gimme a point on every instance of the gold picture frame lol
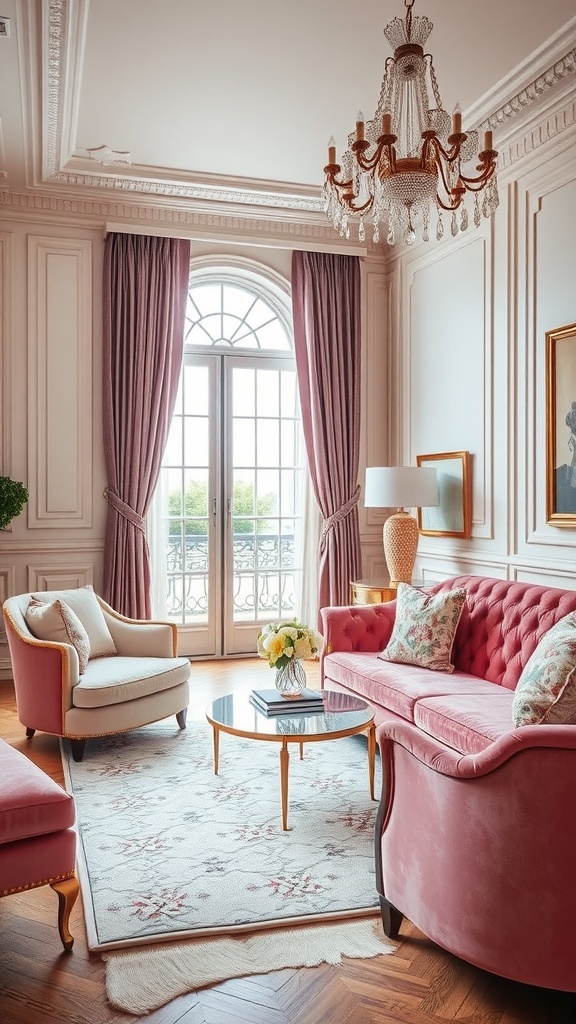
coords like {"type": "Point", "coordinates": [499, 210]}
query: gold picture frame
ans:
{"type": "Point", "coordinates": [452, 517]}
{"type": "Point", "coordinates": [561, 426]}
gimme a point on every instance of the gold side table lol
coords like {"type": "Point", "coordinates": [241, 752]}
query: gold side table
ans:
{"type": "Point", "coordinates": [375, 591]}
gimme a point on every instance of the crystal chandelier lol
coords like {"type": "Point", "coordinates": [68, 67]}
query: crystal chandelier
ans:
{"type": "Point", "coordinates": [406, 165]}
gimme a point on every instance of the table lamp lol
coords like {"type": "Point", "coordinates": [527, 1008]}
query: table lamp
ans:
{"type": "Point", "coordinates": [400, 487]}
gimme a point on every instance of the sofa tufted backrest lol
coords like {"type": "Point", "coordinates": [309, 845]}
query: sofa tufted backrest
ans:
{"type": "Point", "coordinates": [501, 624]}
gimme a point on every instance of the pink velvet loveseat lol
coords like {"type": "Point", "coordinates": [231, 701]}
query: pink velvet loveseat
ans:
{"type": "Point", "coordinates": [476, 833]}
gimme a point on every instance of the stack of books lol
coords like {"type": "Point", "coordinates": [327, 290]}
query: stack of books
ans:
{"type": "Point", "coordinates": [270, 702]}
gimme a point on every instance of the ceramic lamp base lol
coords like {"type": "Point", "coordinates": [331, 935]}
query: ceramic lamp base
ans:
{"type": "Point", "coordinates": [400, 537]}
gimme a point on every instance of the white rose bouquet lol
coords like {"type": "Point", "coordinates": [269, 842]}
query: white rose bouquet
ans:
{"type": "Point", "coordinates": [281, 642]}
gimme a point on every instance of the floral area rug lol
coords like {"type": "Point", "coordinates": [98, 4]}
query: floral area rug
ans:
{"type": "Point", "coordinates": [168, 850]}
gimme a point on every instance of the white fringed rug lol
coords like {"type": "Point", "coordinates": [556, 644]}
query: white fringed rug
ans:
{"type": "Point", "coordinates": [141, 980]}
{"type": "Point", "coordinates": [168, 852]}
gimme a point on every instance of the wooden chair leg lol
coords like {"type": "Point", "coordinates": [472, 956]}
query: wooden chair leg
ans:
{"type": "Point", "coordinates": [30, 733]}
{"type": "Point", "coordinates": [77, 749]}
{"type": "Point", "coordinates": [67, 892]}
{"type": "Point", "coordinates": [391, 918]}
{"type": "Point", "coordinates": [181, 718]}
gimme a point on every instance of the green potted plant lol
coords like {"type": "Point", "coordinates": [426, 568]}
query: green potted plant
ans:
{"type": "Point", "coordinates": [13, 497]}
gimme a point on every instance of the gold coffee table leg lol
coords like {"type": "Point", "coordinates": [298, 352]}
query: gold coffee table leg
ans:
{"type": "Point", "coordinates": [371, 757]}
{"type": "Point", "coordinates": [216, 734]}
{"type": "Point", "coordinates": [284, 762]}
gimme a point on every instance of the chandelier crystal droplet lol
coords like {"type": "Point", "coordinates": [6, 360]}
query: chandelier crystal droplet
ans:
{"type": "Point", "coordinates": [406, 165]}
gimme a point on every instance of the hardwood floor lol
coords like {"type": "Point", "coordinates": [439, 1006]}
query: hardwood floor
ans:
{"type": "Point", "coordinates": [419, 984]}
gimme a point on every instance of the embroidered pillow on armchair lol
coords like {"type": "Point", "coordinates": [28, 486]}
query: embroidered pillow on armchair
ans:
{"type": "Point", "coordinates": [424, 628]}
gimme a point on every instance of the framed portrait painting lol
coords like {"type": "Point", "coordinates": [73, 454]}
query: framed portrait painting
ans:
{"type": "Point", "coordinates": [452, 517]}
{"type": "Point", "coordinates": [561, 426]}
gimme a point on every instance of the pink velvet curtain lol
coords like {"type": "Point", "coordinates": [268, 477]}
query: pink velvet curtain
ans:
{"type": "Point", "coordinates": [326, 305]}
{"type": "Point", "coordinates": [145, 289]}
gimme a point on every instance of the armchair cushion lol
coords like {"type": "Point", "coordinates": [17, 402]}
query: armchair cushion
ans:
{"type": "Point", "coordinates": [116, 680]}
{"type": "Point", "coordinates": [84, 603]}
{"type": "Point", "coordinates": [425, 628]}
{"type": "Point", "coordinates": [546, 690]}
{"type": "Point", "coordinates": [55, 621]}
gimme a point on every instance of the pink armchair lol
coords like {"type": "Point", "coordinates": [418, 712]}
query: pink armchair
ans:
{"type": "Point", "coordinates": [140, 679]}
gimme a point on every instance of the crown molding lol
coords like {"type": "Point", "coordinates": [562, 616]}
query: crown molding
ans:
{"type": "Point", "coordinates": [528, 81]}
{"type": "Point", "coordinates": [553, 131]}
{"type": "Point", "coordinates": [241, 226]}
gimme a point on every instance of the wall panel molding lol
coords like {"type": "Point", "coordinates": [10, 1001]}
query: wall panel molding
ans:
{"type": "Point", "coordinates": [545, 577]}
{"type": "Point", "coordinates": [546, 231]}
{"type": "Point", "coordinates": [375, 375]}
{"type": "Point", "coordinates": [417, 319]}
{"type": "Point", "coordinates": [60, 382]}
{"type": "Point", "coordinates": [6, 352]}
{"type": "Point", "coordinates": [64, 576]}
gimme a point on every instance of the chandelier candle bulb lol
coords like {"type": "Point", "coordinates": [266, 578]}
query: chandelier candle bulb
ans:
{"type": "Point", "coordinates": [487, 140]}
{"type": "Point", "coordinates": [360, 126]}
{"type": "Point", "coordinates": [387, 123]}
{"type": "Point", "coordinates": [457, 120]}
{"type": "Point", "coordinates": [331, 150]}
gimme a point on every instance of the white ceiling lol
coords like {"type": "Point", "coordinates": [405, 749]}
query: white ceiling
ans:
{"type": "Point", "coordinates": [242, 94]}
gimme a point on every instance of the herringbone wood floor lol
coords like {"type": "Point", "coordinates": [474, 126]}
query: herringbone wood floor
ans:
{"type": "Point", "coordinates": [419, 984]}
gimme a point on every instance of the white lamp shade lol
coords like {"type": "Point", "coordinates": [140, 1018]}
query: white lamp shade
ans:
{"type": "Point", "coordinates": [400, 487]}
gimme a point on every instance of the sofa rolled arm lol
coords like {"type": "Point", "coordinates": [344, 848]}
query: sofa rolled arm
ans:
{"type": "Point", "coordinates": [446, 761]}
{"type": "Point", "coordinates": [359, 627]}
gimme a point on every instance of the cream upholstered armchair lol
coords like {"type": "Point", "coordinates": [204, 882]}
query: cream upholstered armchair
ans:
{"type": "Point", "coordinates": [82, 670]}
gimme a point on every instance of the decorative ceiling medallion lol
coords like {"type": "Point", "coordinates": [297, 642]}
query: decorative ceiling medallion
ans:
{"type": "Point", "coordinates": [105, 155]}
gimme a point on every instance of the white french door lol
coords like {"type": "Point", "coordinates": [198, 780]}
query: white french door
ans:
{"type": "Point", "coordinates": [230, 491]}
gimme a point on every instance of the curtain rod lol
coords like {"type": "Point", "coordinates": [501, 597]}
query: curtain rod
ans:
{"type": "Point", "coordinates": [168, 231]}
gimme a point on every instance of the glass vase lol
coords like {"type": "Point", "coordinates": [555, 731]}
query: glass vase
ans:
{"type": "Point", "coordinates": [291, 678]}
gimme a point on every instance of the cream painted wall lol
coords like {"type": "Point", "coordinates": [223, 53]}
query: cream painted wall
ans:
{"type": "Point", "coordinates": [470, 358]}
{"type": "Point", "coordinates": [452, 358]}
{"type": "Point", "coordinates": [51, 395]}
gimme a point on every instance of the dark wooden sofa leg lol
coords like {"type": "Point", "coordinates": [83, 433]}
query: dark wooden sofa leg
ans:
{"type": "Point", "coordinates": [77, 747]}
{"type": "Point", "coordinates": [391, 918]}
{"type": "Point", "coordinates": [181, 718]}
{"type": "Point", "coordinates": [30, 733]}
{"type": "Point", "coordinates": [67, 891]}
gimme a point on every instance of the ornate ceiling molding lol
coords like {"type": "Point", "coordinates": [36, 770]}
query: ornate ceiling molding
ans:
{"type": "Point", "coordinates": [182, 187]}
{"type": "Point", "coordinates": [183, 190]}
{"type": "Point", "coordinates": [532, 93]}
{"type": "Point", "coordinates": [217, 221]}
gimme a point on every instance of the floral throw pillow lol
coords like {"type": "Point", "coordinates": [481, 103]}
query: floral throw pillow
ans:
{"type": "Point", "coordinates": [55, 621]}
{"type": "Point", "coordinates": [546, 691]}
{"type": "Point", "coordinates": [424, 628]}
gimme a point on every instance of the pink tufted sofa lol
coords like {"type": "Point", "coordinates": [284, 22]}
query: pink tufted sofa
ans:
{"type": "Point", "coordinates": [476, 834]}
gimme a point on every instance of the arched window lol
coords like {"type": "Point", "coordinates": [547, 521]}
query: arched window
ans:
{"type": "Point", "coordinates": [230, 486]}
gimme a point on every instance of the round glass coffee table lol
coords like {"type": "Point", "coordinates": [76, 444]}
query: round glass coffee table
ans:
{"type": "Point", "coordinates": [343, 715]}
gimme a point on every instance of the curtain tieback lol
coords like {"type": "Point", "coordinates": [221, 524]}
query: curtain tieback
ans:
{"type": "Point", "coordinates": [340, 514]}
{"type": "Point", "coordinates": [124, 510]}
